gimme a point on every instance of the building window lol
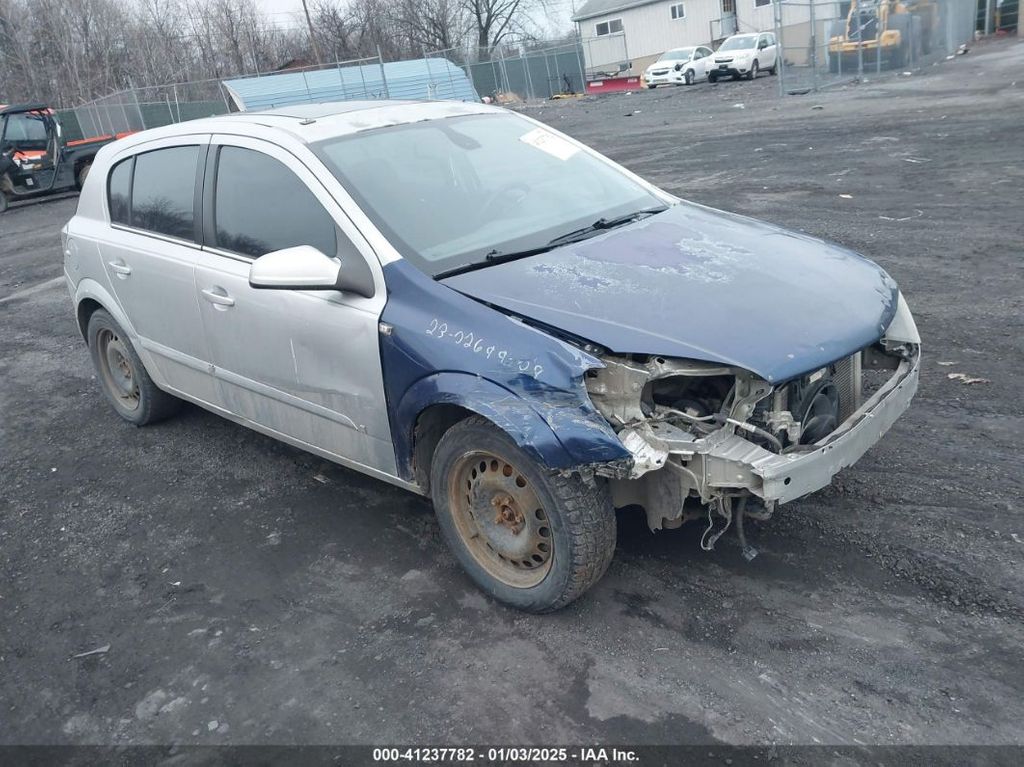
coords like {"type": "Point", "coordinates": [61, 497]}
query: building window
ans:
{"type": "Point", "coordinates": [679, 11]}
{"type": "Point", "coordinates": [728, 6]}
{"type": "Point", "coordinates": [609, 27]}
{"type": "Point", "coordinates": [762, 3]}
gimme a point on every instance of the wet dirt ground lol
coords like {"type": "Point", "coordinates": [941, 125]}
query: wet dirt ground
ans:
{"type": "Point", "coordinates": [251, 593]}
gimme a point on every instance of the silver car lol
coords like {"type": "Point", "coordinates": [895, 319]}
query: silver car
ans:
{"type": "Point", "coordinates": [472, 306]}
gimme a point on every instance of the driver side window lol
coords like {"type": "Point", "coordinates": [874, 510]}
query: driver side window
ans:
{"type": "Point", "coordinates": [261, 206]}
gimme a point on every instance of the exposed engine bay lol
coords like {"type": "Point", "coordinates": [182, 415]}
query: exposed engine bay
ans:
{"type": "Point", "coordinates": [719, 443]}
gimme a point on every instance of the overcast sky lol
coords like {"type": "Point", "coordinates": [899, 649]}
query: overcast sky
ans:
{"type": "Point", "coordinates": [289, 13]}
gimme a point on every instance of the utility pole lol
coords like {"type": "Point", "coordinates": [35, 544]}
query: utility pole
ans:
{"type": "Point", "coordinates": [312, 37]}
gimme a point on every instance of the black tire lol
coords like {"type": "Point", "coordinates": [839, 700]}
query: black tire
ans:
{"type": "Point", "coordinates": [82, 174]}
{"type": "Point", "coordinates": [688, 76]}
{"type": "Point", "coordinates": [652, 87]}
{"type": "Point", "coordinates": [129, 389]}
{"type": "Point", "coordinates": [575, 515]}
{"type": "Point", "coordinates": [774, 69]}
{"type": "Point", "coordinates": [3, 201]}
{"type": "Point", "coordinates": [712, 78]}
{"type": "Point", "coordinates": [754, 69]}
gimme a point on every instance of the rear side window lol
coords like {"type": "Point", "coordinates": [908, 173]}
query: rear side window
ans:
{"type": "Point", "coordinates": [261, 206]}
{"type": "Point", "coordinates": [119, 192]}
{"type": "Point", "coordinates": [163, 192]}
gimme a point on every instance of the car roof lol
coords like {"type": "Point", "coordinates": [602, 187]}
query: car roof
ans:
{"type": "Point", "coordinates": [313, 122]}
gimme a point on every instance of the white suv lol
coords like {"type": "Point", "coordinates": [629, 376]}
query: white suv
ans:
{"type": "Point", "coordinates": [745, 56]}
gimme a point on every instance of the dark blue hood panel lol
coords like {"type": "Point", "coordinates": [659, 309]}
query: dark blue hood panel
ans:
{"type": "Point", "coordinates": [701, 284]}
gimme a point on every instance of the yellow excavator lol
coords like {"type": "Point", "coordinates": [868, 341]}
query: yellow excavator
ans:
{"type": "Point", "coordinates": [895, 31]}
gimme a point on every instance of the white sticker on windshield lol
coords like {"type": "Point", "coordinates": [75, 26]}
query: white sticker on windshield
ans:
{"type": "Point", "coordinates": [550, 143]}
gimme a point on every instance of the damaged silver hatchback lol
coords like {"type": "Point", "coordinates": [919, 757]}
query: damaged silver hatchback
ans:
{"type": "Point", "coordinates": [470, 305]}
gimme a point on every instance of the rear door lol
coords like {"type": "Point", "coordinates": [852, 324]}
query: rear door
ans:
{"type": "Point", "coordinates": [303, 364]}
{"type": "Point", "coordinates": [149, 254]}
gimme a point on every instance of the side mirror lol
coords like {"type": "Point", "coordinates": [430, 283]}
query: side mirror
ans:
{"type": "Point", "coordinates": [762, 45]}
{"type": "Point", "coordinates": [299, 268]}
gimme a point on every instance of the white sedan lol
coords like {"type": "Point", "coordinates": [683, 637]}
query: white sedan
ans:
{"type": "Point", "coordinates": [680, 66]}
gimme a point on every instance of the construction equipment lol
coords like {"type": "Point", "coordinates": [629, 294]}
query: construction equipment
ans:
{"type": "Point", "coordinates": [884, 33]}
{"type": "Point", "coordinates": [35, 160]}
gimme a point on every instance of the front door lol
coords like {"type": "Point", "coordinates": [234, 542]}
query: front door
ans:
{"type": "Point", "coordinates": [303, 364]}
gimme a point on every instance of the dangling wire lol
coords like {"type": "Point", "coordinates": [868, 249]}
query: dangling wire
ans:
{"type": "Point", "coordinates": [708, 541]}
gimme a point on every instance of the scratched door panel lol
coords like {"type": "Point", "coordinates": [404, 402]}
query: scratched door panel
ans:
{"type": "Point", "coordinates": [302, 363]}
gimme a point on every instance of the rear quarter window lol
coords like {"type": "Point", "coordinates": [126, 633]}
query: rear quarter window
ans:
{"type": "Point", "coordinates": [119, 189]}
{"type": "Point", "coordinates": [163, 191]}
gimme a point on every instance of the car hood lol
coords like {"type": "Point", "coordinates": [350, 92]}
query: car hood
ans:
{"type": "Point", "coordinates": [701, 284]}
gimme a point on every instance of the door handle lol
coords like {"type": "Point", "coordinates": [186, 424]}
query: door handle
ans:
{"type": "Point", "coordinates": [120, 268]}
{"type": "Point", "coordinates": [218, 296]}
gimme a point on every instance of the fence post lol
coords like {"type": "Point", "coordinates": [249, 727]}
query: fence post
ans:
{"type": "Point", "coordinates": [431, 90]}
{"type": "Point", "coordinates": [341, 77]}
{"type": "Point", "coordinates": [383, 75]}
{"type": "Point", "coordinates": [814, 50]}
{"type": "Point", "coordinates": [780, 51]}
{"type": "Point", "coordinates": [223, 92]}
{"type": "Point", "coordinates": [860, 44]}
{"type": "Point", "coordinates": [362, 76]}
{"type": "Point", "coordinates": [580, 56]}
{"type": "Point", "coordinates": [529, 78]}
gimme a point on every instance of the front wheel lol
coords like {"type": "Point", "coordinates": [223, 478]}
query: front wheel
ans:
{"type": "Point", "coordinates": [3, 201]}
{"type": "Point", "coordinates": [688, 77]}
{"type": "Point", "coordinates": [530, 537]}
{"type": "Point", "coordinates": [752, 74]}
{"type": "Point", "coordinates": [712, 78]}
{"type": "Point", "coordinates": [651, 87]}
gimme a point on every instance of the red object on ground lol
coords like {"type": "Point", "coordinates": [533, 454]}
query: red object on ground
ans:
{"type": "Point", "coordinates": [612, 84]}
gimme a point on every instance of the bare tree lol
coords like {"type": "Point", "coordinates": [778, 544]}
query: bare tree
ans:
{"type": "Point", "coordinates": [496, 20]}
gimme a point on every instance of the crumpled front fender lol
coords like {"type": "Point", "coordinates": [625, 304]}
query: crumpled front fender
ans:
{"type": "Point", "coordinates": [555, 435]}
{"type": "Point", "coordinates": [441, 347]}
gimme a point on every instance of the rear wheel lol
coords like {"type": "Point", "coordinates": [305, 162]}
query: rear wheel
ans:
{"type": "Point", "coordinates": [531, 538]}
{"type": "Point", "coordinates": [125, 382]}
{"type": "Point", "coordinates": [82, 174]}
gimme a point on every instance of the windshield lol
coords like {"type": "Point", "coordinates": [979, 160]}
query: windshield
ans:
{"type": "Point", "coordinates": [679, 54]}
{"type": "Point", "coordinates": [449, 192]}
{"type": "Point", "coordinates": [739, 43]}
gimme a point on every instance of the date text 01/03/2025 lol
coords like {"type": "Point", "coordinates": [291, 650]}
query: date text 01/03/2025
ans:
{"type": "Point", "coordinates": [504, 754]}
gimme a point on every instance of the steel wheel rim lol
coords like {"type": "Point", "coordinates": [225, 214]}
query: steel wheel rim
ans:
{"type": "Point", "coordinates": [500, 519]}
{"type": "Point", "coordinates": [117, 369]}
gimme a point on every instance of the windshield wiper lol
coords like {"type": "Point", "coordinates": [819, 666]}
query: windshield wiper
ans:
{"type": "Point", "coordinates": [604, 223]}
{"type": "Point", "coordinates": [494, 256]}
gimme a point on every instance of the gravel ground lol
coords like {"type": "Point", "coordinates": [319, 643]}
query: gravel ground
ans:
{"type": "Point", "coordinates": [251, 593]}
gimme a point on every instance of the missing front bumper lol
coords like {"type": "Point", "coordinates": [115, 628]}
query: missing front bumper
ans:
{"type": "Point", "coordinates": [730, 461]}
{"type": "Point", "coordinates": [725, 463]}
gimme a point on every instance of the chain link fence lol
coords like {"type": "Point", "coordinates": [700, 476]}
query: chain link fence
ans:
{"type": "Point", "coordinates": [820, 43]}
{"type": "Point", "coordinates": [523, 72]}
{"type": "Point", "coordinates": [827, 43]}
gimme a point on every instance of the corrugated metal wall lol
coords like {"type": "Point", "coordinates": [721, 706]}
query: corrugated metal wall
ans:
{"type": "Point", "coordinates": [428, 78]}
